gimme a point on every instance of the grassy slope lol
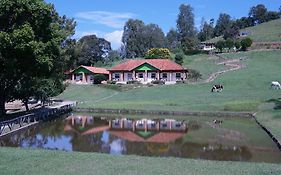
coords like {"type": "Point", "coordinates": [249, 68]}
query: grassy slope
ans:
{"type": "Point", "coordinates": [266, 32]}
{"type": "Point", "coordinates": [57, 162]}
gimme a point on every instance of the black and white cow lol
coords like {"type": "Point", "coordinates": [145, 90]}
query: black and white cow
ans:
{"type": "Point", "coordinates": [217, 88]}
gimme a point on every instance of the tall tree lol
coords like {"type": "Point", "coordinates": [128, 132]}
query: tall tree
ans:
{"type": "Point", "coordinates": [153, 36]}
{"type": "Point", "coordinates": [138, 38]}
{"type": "Point", "coordinates": [172, 41]}
{"type": "Point", "coordinates": [185, 27]}
{"type": "Point", "coordinates": [32, 41]}
{"type": "Point", "coordinates": [258, 13]}
{"type": "Point", "coordinates": [90, 50]}
{"type": "Point", "coordinates": [132, 36]}
{"type": "Point", "coordinates": [206, 30]}
{"type": "Point", "coordinates": [223, 23]}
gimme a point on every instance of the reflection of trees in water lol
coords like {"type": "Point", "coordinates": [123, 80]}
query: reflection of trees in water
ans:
{"type": "Point", "coordinates": [37, 135]}
{"type": "Point", "coordinates": [216, 152]}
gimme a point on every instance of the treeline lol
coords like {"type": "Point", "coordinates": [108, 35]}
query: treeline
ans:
{"type": "Point", "coordinates": [229, 27]}
{"type": "Point", "coordinates": [139, 37]}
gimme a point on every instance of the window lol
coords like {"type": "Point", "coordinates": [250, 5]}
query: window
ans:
{"type": "Point", "coordinates": [91, 78]}
{"type": "Point", "coordinates": [78, 77]}
{"type": "Point", "coordinates": [117, 76]}
{"type": "Point", "coordinates": [178, 75]}
{"type": "Point", "coordinates": [153, 75]}
{"type": "Point", "coordinates": [164, 75]}
{"type": "Point", "coordinates": [140, 75]}
{"type": "Point", "coordinates": [130, 76]}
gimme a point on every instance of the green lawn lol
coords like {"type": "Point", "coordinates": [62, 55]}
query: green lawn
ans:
{"type": "Point", "coordinates": [22, 161]}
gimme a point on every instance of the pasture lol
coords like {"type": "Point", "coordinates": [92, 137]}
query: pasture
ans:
{"type": "Point", "coordinates": [247, 89]}
{"type": "Point", "coordinates": [58, 162]}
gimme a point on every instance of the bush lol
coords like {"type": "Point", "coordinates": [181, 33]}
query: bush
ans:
{"type": "Point", "coordinates": [98, 78]}
{"type": "Point", "coordinates": [179, 58]}
{"type": "Point", "coordinates": [194, 74]}
{"type": "Point", "coordinates": [246, 43]}
{"type": "Point", "coordinates": [133, 82]}
{"type": "Point", "coordinates": [160, 82]}
{"type": "Point", "coordinates": [111, 82]}
{"type": "Point", "coordinates": [161, 53]}
{"type": "Point", "coordinates": [220, 45]}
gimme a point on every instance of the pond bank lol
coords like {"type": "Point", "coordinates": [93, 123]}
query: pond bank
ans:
{"type": "Point", "coordinates": [158, 112]}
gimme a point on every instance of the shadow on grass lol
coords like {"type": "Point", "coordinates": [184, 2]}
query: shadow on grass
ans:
{"type": "Point", "coordinates": [277, 103]}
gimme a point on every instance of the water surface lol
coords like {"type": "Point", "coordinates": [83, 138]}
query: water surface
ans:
{"type": "Point", "coordinates": [187, 137]}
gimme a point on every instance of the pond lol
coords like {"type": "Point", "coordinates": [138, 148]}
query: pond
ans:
{"type": "Point", "coordinates": [234, 139]}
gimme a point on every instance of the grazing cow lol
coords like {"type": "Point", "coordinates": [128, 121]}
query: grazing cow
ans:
{"type": "Point", "coordinates": [275, 84]}
{"type": "Point", "coordinates": [217, 88]}
{"type": "Point", "coordinates": [217, 121]}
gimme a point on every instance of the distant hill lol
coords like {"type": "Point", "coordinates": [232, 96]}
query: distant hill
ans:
{"type": "Point", "coordinates": [265, 32]}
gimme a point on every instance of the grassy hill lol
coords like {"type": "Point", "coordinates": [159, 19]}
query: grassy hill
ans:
{"type": "Point", "coordinates": [265, 32]}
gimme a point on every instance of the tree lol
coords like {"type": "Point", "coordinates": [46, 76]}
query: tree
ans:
{"type": "Point", "coordinates": [229, 43]}
{"type": "Point", "coordinates": [138, 38]}
{"type": "Point", "coordinates": [246, 43]}
{"type": "Point", "coordinates": [158, 53]}
{"type": "Point", "coordinates": [220, 45]}
{"type": "Point", "coordinates": [258, 13]}
{"type": "Point", "coordinates": [172, 41]}
{"type": "Point", "coordinates": [232, 32]}
{"type": "Point", "coordinates": [244, 22]}
{"type": "Point", "coordinates": [153, 36]}
{"type": "Point", "coordinates": [91, 49]}
{"type": "Point", "coordinates": [223, 23]}
{"type": "Point", "coordinates": [179, 58]}
{"type": "Point", "coordinates": [33, 44]}
{"type": "Point", "coordinates": [185, 28]}
{"type": "Point", "coordinates": [207, 30]}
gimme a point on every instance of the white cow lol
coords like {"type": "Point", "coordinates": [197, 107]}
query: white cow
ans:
{"type": "Point", "coordinates": [275, 84]}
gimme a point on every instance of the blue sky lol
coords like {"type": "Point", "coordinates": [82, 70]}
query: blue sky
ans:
{"type": "Point", "coordinates": [106, 18]}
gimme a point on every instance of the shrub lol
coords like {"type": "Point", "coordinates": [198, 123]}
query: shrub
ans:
{"type": "Point", "coordinates": [194, 74]}
{"type": "Point", "coordinates": [158, 82]}
{"type": "Point", "coordinates": [160, 53]}
{"type": "Point", "coordinates": [111, 82]}
{"type": "Point", "coordinates": [98, 78]}
{"type": "Point", "coordinates": [179, 58]}
{"type": "Point", "coordinates": [133, 82]}
{"type": "Point", "coordinates": [237, 44]}
{"type": "Point", "coordinates": [220, 45]}
{"type": "Point", "coordinates": [246, 43]}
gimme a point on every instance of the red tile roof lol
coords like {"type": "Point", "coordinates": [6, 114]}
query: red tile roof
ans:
{"type": "Point", "coordinates": [161, 137]}
{"type": "Point", "coordinates": [161, 64]}
{"type": "Point", "coordinates": [96, 70]}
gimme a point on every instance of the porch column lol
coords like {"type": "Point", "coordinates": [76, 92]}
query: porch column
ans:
{"type": "Point", "coordinates": [122, 76]}
{"type": "Point", "coordinates": [158, 75]}
{"type": "Point", "coordinates": [134, 75]}
{"type": "Point", "coordinates": [170, 75]}
{"type": "Point", "coordinates": [83, 77]}
{"type": "Point", "coordinates": [73, 78]}
{"type": "Point", "coordinates": [145, 75]}
{"type": "Point", "coordinates": [109, 78]}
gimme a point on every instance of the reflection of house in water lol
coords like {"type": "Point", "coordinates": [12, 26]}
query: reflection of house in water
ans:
{"type": "Point", "coordinates": [144, 130]}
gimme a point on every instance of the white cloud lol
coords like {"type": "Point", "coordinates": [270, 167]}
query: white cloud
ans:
{"type": "Point", "coordinates": [114, 38]}
{"type": "Point", "coordinates": [110, 19]}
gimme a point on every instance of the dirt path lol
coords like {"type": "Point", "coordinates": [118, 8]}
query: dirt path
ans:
{"type": "Point", "coordinates": [231, 64]}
